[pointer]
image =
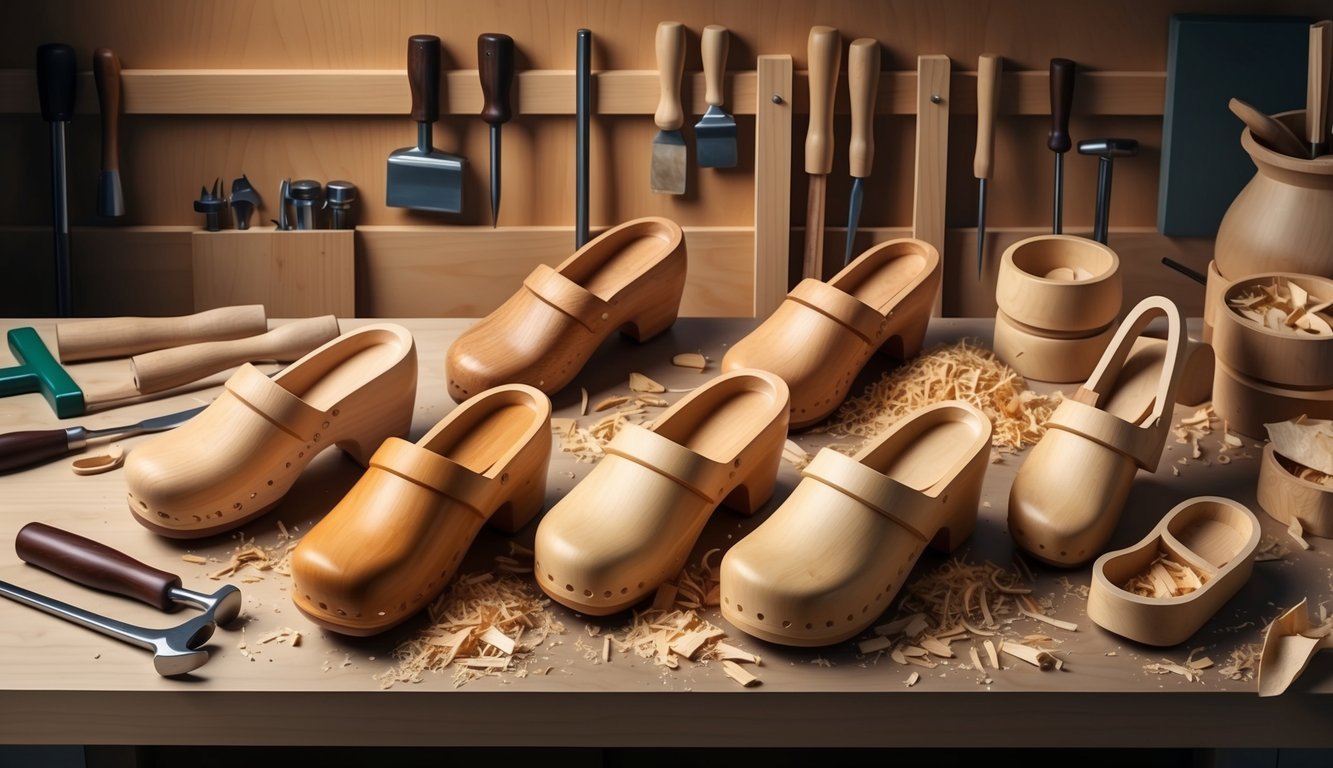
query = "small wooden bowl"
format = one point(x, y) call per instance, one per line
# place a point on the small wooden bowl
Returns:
point(1040, 355)
point(1247, 403)
point(1038, 284)
point(1216, 537)
point(1285, 359)
point(1284, 496)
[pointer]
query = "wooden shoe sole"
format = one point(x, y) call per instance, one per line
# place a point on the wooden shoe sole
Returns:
point(396, 539)
point(820, 337)
point(828, 561)
point(239, 457)
point(629, 278)
point(631, 523)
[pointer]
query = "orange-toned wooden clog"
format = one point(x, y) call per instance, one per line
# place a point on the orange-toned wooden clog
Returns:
point(240, 455)
point(1067, 497)
point(631, 523)
point(828, 562)
point(396, 539)
point(629, 278)
point(822, 334)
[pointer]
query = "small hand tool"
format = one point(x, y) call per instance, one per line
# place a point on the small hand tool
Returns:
point(1106, 150)
point(988, 97)
point(421, 177)
point(307, 196)
point(1192, 274)
point(176, 650)
point(862, 85)
point(211, 205)
point(55, 90)
point(715, 133)
point(495, 64)
point(339, 197)
point(582, 124)
point(244, 201)
point(1316, 87)
point(19, 450)
point(824, 52)
point(669, 161)
point(96, 565)
point(106, 73)
point(284, 222)
point(1270, 132)
point(125, 336)
point(1059, 142)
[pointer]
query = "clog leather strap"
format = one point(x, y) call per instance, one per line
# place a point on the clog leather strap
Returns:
point(913, 510)
point(268, 398)
point(437, 473)
point(840, 306)
point(568, 297)
point(700, 474)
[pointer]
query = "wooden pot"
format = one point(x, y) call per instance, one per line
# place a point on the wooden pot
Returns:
point(1280, 221)
point(1059, 358)
point(1037, 283)
point(1284, 496)
point(1247, 403)
point(1289, 360)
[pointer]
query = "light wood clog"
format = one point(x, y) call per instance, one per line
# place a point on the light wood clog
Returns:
point(820, 337)
point(631, 523)
point(828, 561)
point(1068, 494)
point(1210, 537)
point(240, 455)
point(629, 278)
point(396, 539)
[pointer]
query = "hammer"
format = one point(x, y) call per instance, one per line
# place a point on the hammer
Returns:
point(1106, 150)
point(96, 565)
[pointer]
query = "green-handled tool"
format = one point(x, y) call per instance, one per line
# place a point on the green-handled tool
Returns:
point(715, 133)
point(669, 162)
point(495, 65)
point(862, 83)
point(988, 96)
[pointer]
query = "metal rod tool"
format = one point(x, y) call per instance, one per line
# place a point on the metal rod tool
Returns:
point(1059, 142)
point(55, 90)
point(582, 124)
point(495, 63)
point(983, 162)
point(862, 84)
point(1106, 150)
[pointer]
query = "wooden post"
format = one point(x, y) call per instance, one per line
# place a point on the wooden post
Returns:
point(772, 182)
point(932, 155)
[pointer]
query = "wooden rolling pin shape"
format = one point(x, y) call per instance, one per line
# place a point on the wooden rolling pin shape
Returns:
point(125, 336)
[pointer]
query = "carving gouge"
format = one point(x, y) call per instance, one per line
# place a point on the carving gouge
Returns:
point(27, 449)
point(106, 73)
point(1062, 103)
point(583, 115)
point(495, 63)
point(988, 93)
point(862, 82)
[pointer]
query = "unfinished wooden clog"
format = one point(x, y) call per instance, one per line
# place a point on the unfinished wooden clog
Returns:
point(1161, 590)
point(1067, 497)
point(396, 539)
point(241, 454)
point(822, 334)
point(1290, 642)
point(629, 278)
point(828, 561)
point(630, 525)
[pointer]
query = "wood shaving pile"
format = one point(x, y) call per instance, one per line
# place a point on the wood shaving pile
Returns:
point(1191, 430)
point(1286, 307)
point(1165, 578)
point(1304, 447)
point(694, 360)
point(960, 371)
point(795, 455)
point(1243, 663)
point(248, 553)
point(284, 636)
point(1269, 549)
point(588, 443)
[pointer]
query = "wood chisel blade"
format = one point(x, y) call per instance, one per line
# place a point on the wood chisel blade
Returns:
point(862, 85)
point(988, 92)
point(669, 161)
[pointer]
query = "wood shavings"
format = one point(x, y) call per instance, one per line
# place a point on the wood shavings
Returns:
point(1295, 531)
point(286, 635)
point(913, 679)
point(1038, 658)
point(1200, 664)
point(1269, 549)
point(690, 360)
point(195, 559)
point(795, 455)
point(739, 674)
point(1165, 578)
point(874, 645)
point(992, 654)
point(640, 383)
point(1285, 307)
point(610, 402)
point(975, 657)
point(583, 403)
point(1303, 441)
point(248, 553)
point(727, 651)
point(964, 371)
point(936, 647)
point(1032, 613)
point(1168, 668)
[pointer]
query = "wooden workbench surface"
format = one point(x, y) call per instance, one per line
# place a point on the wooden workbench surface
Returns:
point(62, 684)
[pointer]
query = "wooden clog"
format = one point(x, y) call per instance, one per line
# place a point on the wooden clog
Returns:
point(629, 278)
point(1067, 497)
point(630, 525)
point(396, 539)
point(1207, 539)
point(822, 334)
point(241, 454)
point(828, 561)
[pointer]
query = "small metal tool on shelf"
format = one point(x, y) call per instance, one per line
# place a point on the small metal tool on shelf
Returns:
point(211, 205)
point(244, 200)
point(339, 196)
point(307, 198)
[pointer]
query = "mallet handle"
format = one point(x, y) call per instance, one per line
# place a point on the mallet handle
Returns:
point(95, 565)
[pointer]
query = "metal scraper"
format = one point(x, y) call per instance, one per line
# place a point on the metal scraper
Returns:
point(421, 177)
point(669, 161)
point(715, 133)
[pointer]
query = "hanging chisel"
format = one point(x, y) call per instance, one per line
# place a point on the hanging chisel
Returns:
point(495, 63)
point(106, 73)
point(55, 91)
point(824, 51)
point(988, 96)
point(862, 84)
point(582, 124)
point(1316, 88)
point(667, 173)
point(1059, 142)
point(715, 133)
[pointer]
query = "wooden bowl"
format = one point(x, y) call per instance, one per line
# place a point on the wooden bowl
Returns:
point(1247, 403)
point(1059, 283)
point(1045, 356)
point(1277, 357)
point(1284, 496)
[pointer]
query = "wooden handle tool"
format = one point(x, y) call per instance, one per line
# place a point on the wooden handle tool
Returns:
point(862, 85)
point(983, 162)
point(495, 62)
point(1059, 141)
point(125, 336)
point(1268, 131)
point(106, 73)
point(669, 161)
point(824, 51)
point(1316, 89)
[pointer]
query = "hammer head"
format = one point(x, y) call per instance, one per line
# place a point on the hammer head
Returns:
point(38, 371)
point(178, 650)
point(222, 606)
point(1109, 147)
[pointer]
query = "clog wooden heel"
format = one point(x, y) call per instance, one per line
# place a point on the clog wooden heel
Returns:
point(629, 278)
point(828, 561)
point(1161, 590)
point(240, 455)
point(396, 539)
point(631, 523)
point(822, 334)
point(1068, 494)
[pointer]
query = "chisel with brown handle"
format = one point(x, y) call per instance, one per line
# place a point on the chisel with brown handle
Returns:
point(1316, 88)
point(1059, 142)
point(862, 85)
point(126, 336)
point(106, 73)
point(983, 162)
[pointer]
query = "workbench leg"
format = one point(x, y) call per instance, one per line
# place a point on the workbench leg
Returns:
point(772, 182)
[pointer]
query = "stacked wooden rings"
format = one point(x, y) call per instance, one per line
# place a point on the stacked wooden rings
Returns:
point(1264, 375)
point(1058, 298)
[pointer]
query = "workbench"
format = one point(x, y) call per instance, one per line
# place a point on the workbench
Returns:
point(63, 684)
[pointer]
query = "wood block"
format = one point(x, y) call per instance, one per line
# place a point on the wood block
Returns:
point(293, 274)
point(932, 154)
point(772, 193)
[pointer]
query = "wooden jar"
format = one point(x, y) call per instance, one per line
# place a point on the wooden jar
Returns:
point(1058, 297)
point(1285, 496)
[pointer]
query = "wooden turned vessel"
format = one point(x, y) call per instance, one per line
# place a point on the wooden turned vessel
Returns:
point(1247, 403)
point(1285, 497)
point(1060, 283)
point(1300, 361)
point(1051, 356)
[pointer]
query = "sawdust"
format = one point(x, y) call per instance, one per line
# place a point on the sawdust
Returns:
point(250, 554)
